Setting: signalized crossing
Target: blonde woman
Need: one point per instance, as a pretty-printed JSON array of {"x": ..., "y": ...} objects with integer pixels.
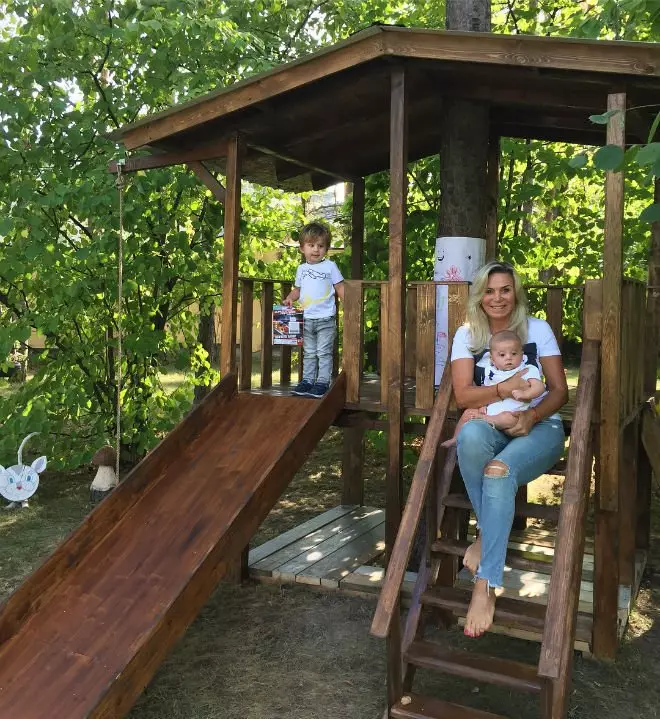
[{"x": 493, "y": 462}]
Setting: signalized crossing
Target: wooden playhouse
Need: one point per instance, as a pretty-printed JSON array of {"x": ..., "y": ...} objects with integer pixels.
[{"x": 375, "y": 102}]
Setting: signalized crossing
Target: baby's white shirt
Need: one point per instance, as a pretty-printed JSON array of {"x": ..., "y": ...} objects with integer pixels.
[{"x": 495, "y": 376}]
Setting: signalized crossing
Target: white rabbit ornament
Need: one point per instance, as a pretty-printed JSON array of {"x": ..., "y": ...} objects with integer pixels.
[{"x": 19, "y": 482}]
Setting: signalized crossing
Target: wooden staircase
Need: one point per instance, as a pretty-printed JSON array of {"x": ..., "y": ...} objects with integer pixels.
[{"x": 436, "y": 595}]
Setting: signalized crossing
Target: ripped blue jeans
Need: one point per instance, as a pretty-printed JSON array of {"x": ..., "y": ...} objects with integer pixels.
[{"x": 493, "y": 497}]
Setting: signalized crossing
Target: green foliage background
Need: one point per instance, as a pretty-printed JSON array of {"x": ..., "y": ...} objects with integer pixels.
[{"x": 71, "y": 72}]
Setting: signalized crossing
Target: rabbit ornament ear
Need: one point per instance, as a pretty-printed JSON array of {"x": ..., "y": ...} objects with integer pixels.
[{"x": 39, "y": 465}]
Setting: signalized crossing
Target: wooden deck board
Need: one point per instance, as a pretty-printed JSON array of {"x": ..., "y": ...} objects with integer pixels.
[{"x": 343, "y": 559}]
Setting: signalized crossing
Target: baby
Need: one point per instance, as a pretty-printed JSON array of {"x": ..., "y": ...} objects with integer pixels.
[{"x": 506, "y": 359}]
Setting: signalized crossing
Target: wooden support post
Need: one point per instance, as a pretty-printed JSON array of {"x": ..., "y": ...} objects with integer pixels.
[
  {"x": 653, "y": 306},
  {"x": 352, "y": 469},
  {"x": 628, "y": 504},
  {"x": 247, "y": 300},
  {"x": 285, "y": 357},
  {"x": 267, "y": 336},
  {"x": 411, "y": 332},
  {"x": 395, "y": 351},
  {"x": 210, "y": 180},
  {"x": 492, "y": 196},
  {"x": 384, "y": 340},
  {"x": 231, "y": 250},
  {"x": 606, "y": 575}
]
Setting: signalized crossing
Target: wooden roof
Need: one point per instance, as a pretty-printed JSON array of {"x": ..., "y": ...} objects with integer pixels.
[{"x": 325, "y": 117}]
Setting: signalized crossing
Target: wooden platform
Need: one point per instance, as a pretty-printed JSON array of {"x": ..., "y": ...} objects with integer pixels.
[
  {"x": 370, "y": 394},
  {"x": 341, "y": 548}
]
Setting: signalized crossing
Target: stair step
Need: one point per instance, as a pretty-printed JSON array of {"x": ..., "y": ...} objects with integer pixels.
[
  {"x": 515, "y": 558},
  {"x": 510, "y": 612},
  {"x": 421, "y": 707},
  {"x": 478, "y": 667},
  {"x": 523, "y": 509}
]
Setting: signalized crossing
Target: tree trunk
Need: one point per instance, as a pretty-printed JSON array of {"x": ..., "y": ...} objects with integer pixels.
[
  {"x": 206, "y": 336},
  {"x": 464, "y": 141}
]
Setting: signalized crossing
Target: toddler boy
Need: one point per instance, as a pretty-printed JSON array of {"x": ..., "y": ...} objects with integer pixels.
[{"x": 318, "y": 279}]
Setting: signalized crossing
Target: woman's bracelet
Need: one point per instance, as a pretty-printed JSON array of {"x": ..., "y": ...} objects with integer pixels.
[
  {"x": 536, "y": 415},
  {"x": 497, "y": 389}
]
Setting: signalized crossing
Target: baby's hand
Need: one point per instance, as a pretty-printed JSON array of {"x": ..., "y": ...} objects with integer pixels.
[{"x": 516, "y": 394}]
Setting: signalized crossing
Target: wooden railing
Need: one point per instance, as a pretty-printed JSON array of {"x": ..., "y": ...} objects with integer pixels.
[
  {"x": 420, "y": 337},
  {"x": 388, "y": 600},
  {"x": 633, "y": 316},
  {"x": 268, "y": 292},
  {"x": 564, "y": 590}
]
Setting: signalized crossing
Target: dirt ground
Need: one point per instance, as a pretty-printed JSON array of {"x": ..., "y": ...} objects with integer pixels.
[{"x": 290, "y": 652}]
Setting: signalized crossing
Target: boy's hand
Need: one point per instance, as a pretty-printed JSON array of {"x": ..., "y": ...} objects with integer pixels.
[{"x": 287, "y": 302}]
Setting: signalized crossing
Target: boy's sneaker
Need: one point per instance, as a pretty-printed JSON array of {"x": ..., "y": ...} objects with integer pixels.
[
  {"x": 318, "y": 390},
  {"x": 302, "y": 388}
]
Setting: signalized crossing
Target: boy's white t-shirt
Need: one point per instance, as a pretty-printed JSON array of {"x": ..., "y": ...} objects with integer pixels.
[
  {"x": 495, "y": 376},
  {"x": 541, "y": 342},
  {"x": 317, "y": 288}
]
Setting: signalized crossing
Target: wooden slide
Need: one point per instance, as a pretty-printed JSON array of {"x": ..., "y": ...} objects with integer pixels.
[{"x": 86, "y": 632}]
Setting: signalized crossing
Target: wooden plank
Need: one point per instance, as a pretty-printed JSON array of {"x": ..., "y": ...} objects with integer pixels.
[
  {"x": 411, "y": 332},
  {"x": 606, "y": 583},
  {"x": 247, "y": 300},
  {"x": 652, "y": 324},
  {"x": 352, "y": 344},
  {"x": 555, "y": 312},
  {"x": 628, "y": 504},
  {"x": 285, "y": 356},
  {"x": 298, "y": 532},
  {"x": 230, "y": 260},
  {"x": 394, "y": 356},
  {"x": 352, "y": 465},
  {"x": 566, "y": 585},
  {"x": 592, "y": 310},
  {"x": 341, "y": 563},
  {"x": 302, "y": 563},
  {"x": 207, "y": 151},
  {"x": 267, "y": 336},
  {"x": 299, "y": 548},
  {"x": 645, "y": 484},
  {"x": 492, "y": 196},
  {"x": 371, "y": 579},
  {"x": 425, "y": 364},
  {"x": 384, "y": 337},
  {"x": 413, "y": 511},
  {"x": 610, "y": 440},
  {"x": 357, "y": 230},
  {"x": 210, "y": 180}
]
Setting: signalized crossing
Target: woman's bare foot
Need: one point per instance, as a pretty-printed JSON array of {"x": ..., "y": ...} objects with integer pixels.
[
  {"x": 473, "y": 556},
  {"x": 481, "y": 610}
]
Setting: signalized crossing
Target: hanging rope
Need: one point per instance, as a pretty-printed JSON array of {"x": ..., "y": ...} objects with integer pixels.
[{"x": 121, "y": 183}]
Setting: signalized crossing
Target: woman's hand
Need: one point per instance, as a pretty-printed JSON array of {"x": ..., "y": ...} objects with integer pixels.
[
  {"x": 526, "y": 420},
  {"x": 517, "y": 382}
]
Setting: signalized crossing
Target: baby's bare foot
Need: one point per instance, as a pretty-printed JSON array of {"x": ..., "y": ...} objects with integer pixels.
[
  {"x": 481, "y": 611},
  {"x": 473, "y": 556}
]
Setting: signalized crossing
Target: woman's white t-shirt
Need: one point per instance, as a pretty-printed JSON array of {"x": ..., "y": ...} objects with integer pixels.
[{"x": 541, "y": 342}]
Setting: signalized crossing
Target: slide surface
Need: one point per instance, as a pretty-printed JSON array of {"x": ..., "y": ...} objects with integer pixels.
[{"x": 84, "y": 634}]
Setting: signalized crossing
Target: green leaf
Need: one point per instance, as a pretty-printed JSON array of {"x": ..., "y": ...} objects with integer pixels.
[
  {"x": 649, "y": 154},
  {"x": 604, "y": 118},
  {"x": 651, "y": 213},
  {"x": 578, "y": 161},
  {"x": 609, "y": 157}
]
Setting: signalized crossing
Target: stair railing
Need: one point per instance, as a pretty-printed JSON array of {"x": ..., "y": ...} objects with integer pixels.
[
  {"x": 564, "y": 590},
  {"x": 412, "y": 513}
]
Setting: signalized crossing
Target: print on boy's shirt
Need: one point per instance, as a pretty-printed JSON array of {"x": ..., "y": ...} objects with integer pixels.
[
  {"x": 318, "y": 291},
  {"x": 317, "y": 288}
]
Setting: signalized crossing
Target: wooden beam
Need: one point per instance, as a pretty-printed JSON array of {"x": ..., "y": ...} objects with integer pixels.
[
  {"x": 230, "y": 262},
  {"x": 395, "y": 349},
  {"x": 606, "y": 578},
  {"x": 209, "y": 179},
  {"x": 611, "y": 315},
  {"x": 492, "y": 196},
  {"x": 303, "y": 164},
  {"x": 653, "y": 305},
  {"x": 247, "y": 300},
  {"x": 207, "y": 151}
]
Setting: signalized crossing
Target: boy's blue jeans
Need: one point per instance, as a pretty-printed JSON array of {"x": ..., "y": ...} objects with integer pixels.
[
  {"x": 493, "y": 497},
  {"x": 318, "y": 345}
]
